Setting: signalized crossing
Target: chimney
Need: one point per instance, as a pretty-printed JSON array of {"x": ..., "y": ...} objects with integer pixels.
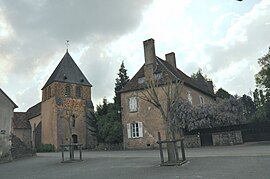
[
  {"x": 170, "y": 58},
  {"x": 150, "y": 58},
  {"x": 149, "y": 51}
]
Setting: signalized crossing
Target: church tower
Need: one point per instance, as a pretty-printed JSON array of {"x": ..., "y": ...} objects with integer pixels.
[{"x": 66, "y": 106}]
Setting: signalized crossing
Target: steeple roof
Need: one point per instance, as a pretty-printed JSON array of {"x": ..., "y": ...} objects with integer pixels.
[{"x": 67, "y": 71}]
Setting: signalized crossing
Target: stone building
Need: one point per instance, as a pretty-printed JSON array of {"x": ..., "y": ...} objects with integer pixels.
[
  {"x": 21, "y": 127},
  {"x": 63, "y": 114},
  {"x": 7, "y": 107},
  {"x": 141, "y": 120}
]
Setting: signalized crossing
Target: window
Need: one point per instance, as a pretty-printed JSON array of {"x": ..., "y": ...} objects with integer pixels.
[
  {"x": 189, "y": 96},
  {"x": 133, "y": 104},
  {"x": 78, "y": 92},
  {"x": 158, "y": 76},
  {"x": 68, "y": 91},
  {"x": 141, "y": 80},
  {"x": 135, "y": 130},
  {"x": 49, "y": 92},
  {"x": 45, "y": 94},
  {"x": 201, "y": 100}
]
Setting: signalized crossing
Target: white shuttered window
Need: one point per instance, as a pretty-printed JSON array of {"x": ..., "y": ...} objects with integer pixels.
[
  {"x": 135, "y": 130},
  {"x": 201, "y": 100},
  {"x": 189, "y": 96}
]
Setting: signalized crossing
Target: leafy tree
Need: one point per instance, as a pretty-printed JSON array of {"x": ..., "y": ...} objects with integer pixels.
[
  {"x": 108, "y": 115},
  {"x": 263, "y": 76},
  {"x": 224, "y": 113},
  {"x": 262, "y": 104},
  {"x": 109, "y": 128},
  {"x": 249, "y": 107},
  {"x": 223, "y": 94}
]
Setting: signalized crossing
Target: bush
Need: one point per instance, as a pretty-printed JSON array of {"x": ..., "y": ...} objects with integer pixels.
[{"x": 46, "y": 148}]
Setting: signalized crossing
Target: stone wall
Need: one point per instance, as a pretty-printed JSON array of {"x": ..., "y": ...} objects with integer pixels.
[
  {"x": 104, "y": 146},
  {"x": 150, "y": 117},
  {"x": 20, "y": 149},
  {"x": 227, "y": 138},
  {"x": 191, "y": 141}
]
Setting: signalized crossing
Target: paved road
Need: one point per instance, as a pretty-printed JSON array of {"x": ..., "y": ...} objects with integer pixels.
[{"x": 242, "y": 161}]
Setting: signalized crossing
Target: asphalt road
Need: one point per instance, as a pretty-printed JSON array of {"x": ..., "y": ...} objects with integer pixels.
[{"x": 242, "y": 161}]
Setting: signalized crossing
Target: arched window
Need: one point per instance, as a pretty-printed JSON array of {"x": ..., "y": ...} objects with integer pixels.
[
  {"x": 78, "y": 92},
  {"x": 68, "y": 91}
]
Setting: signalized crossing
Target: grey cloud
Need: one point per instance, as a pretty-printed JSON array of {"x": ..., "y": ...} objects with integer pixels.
[
  {"x": 45, "y": 25},
  {"x": 257, "y": 41},
  {"x": 41, "y": 27},
  {"x": 101, "y": 71}
]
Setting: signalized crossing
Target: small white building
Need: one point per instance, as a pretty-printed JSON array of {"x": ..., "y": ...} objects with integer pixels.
[{"x": 7, "y": 107}]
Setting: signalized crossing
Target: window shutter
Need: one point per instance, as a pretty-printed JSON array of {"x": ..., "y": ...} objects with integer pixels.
[
  {"x": 128, "y": 130},
  {"x": 140, "y": 129}
]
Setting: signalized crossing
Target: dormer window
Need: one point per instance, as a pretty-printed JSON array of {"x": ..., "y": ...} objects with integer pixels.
[
  {"x": 68, "y": 91},
  {"x": 158, "y": 76},
  {"x": 141, "y": 80}
]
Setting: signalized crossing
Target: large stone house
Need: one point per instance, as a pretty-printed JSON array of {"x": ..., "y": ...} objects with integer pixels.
[
  {"x": 7, "y": 107},
  {"x": 141, "y": 120},
  {"x": 63, "y": 114}
]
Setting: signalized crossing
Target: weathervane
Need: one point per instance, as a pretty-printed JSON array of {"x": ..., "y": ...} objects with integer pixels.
[{"x": 67, "y": 44}]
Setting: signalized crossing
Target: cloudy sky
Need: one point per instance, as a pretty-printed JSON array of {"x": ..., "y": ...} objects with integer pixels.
[{"x": 224, "y": 38}]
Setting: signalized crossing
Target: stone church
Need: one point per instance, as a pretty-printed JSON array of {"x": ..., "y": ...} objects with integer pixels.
[{"x": 64, "y": 114}]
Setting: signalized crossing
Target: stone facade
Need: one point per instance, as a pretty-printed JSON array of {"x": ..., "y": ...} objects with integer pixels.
[
  {"x": 192, "y": 141},
  {"x": 66, "y": 101},
  {"x": 7, "y": 107},
  {"x": 141, "y": 124},
  {"x": 20, "y": 149},
  {"x": 227, "y": 138},
  {"x": 24, "y": 135}
]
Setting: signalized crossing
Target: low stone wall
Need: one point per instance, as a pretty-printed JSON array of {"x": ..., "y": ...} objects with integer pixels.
[
  {"x": 20, "y": 149},
  {"x": 191, "y": 141},
  {"x": 227, "y": 138},
  {"x": 104, "y": 146}
]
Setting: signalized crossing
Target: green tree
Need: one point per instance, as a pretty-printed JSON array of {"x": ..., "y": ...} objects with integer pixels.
[
  {"x": 199, "y": 75},
  {"x": 262, "y": 103},
  {"x": 109, "y": 127},
  {"x": 262, "y": 96},
  {"x": 249, "y": 107},
  {"x": 108, "y": 115},
  {"x": 263, "y": 76},
  {"x": 223, "y": 94},
  {"x": 121, "y": 81}
]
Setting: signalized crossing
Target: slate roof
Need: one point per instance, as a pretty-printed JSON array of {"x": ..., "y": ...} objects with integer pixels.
[
  {"x": 67, "y": 71},
  {"x": 20, "y": 121},
  {"x": 1, "y": 91},
  {"x": 162, "y": 65},
  {"x": 33, "y": 111}
]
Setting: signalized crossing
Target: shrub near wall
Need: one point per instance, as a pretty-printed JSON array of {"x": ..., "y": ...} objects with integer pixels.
[{"x": 46, "y": 148}]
